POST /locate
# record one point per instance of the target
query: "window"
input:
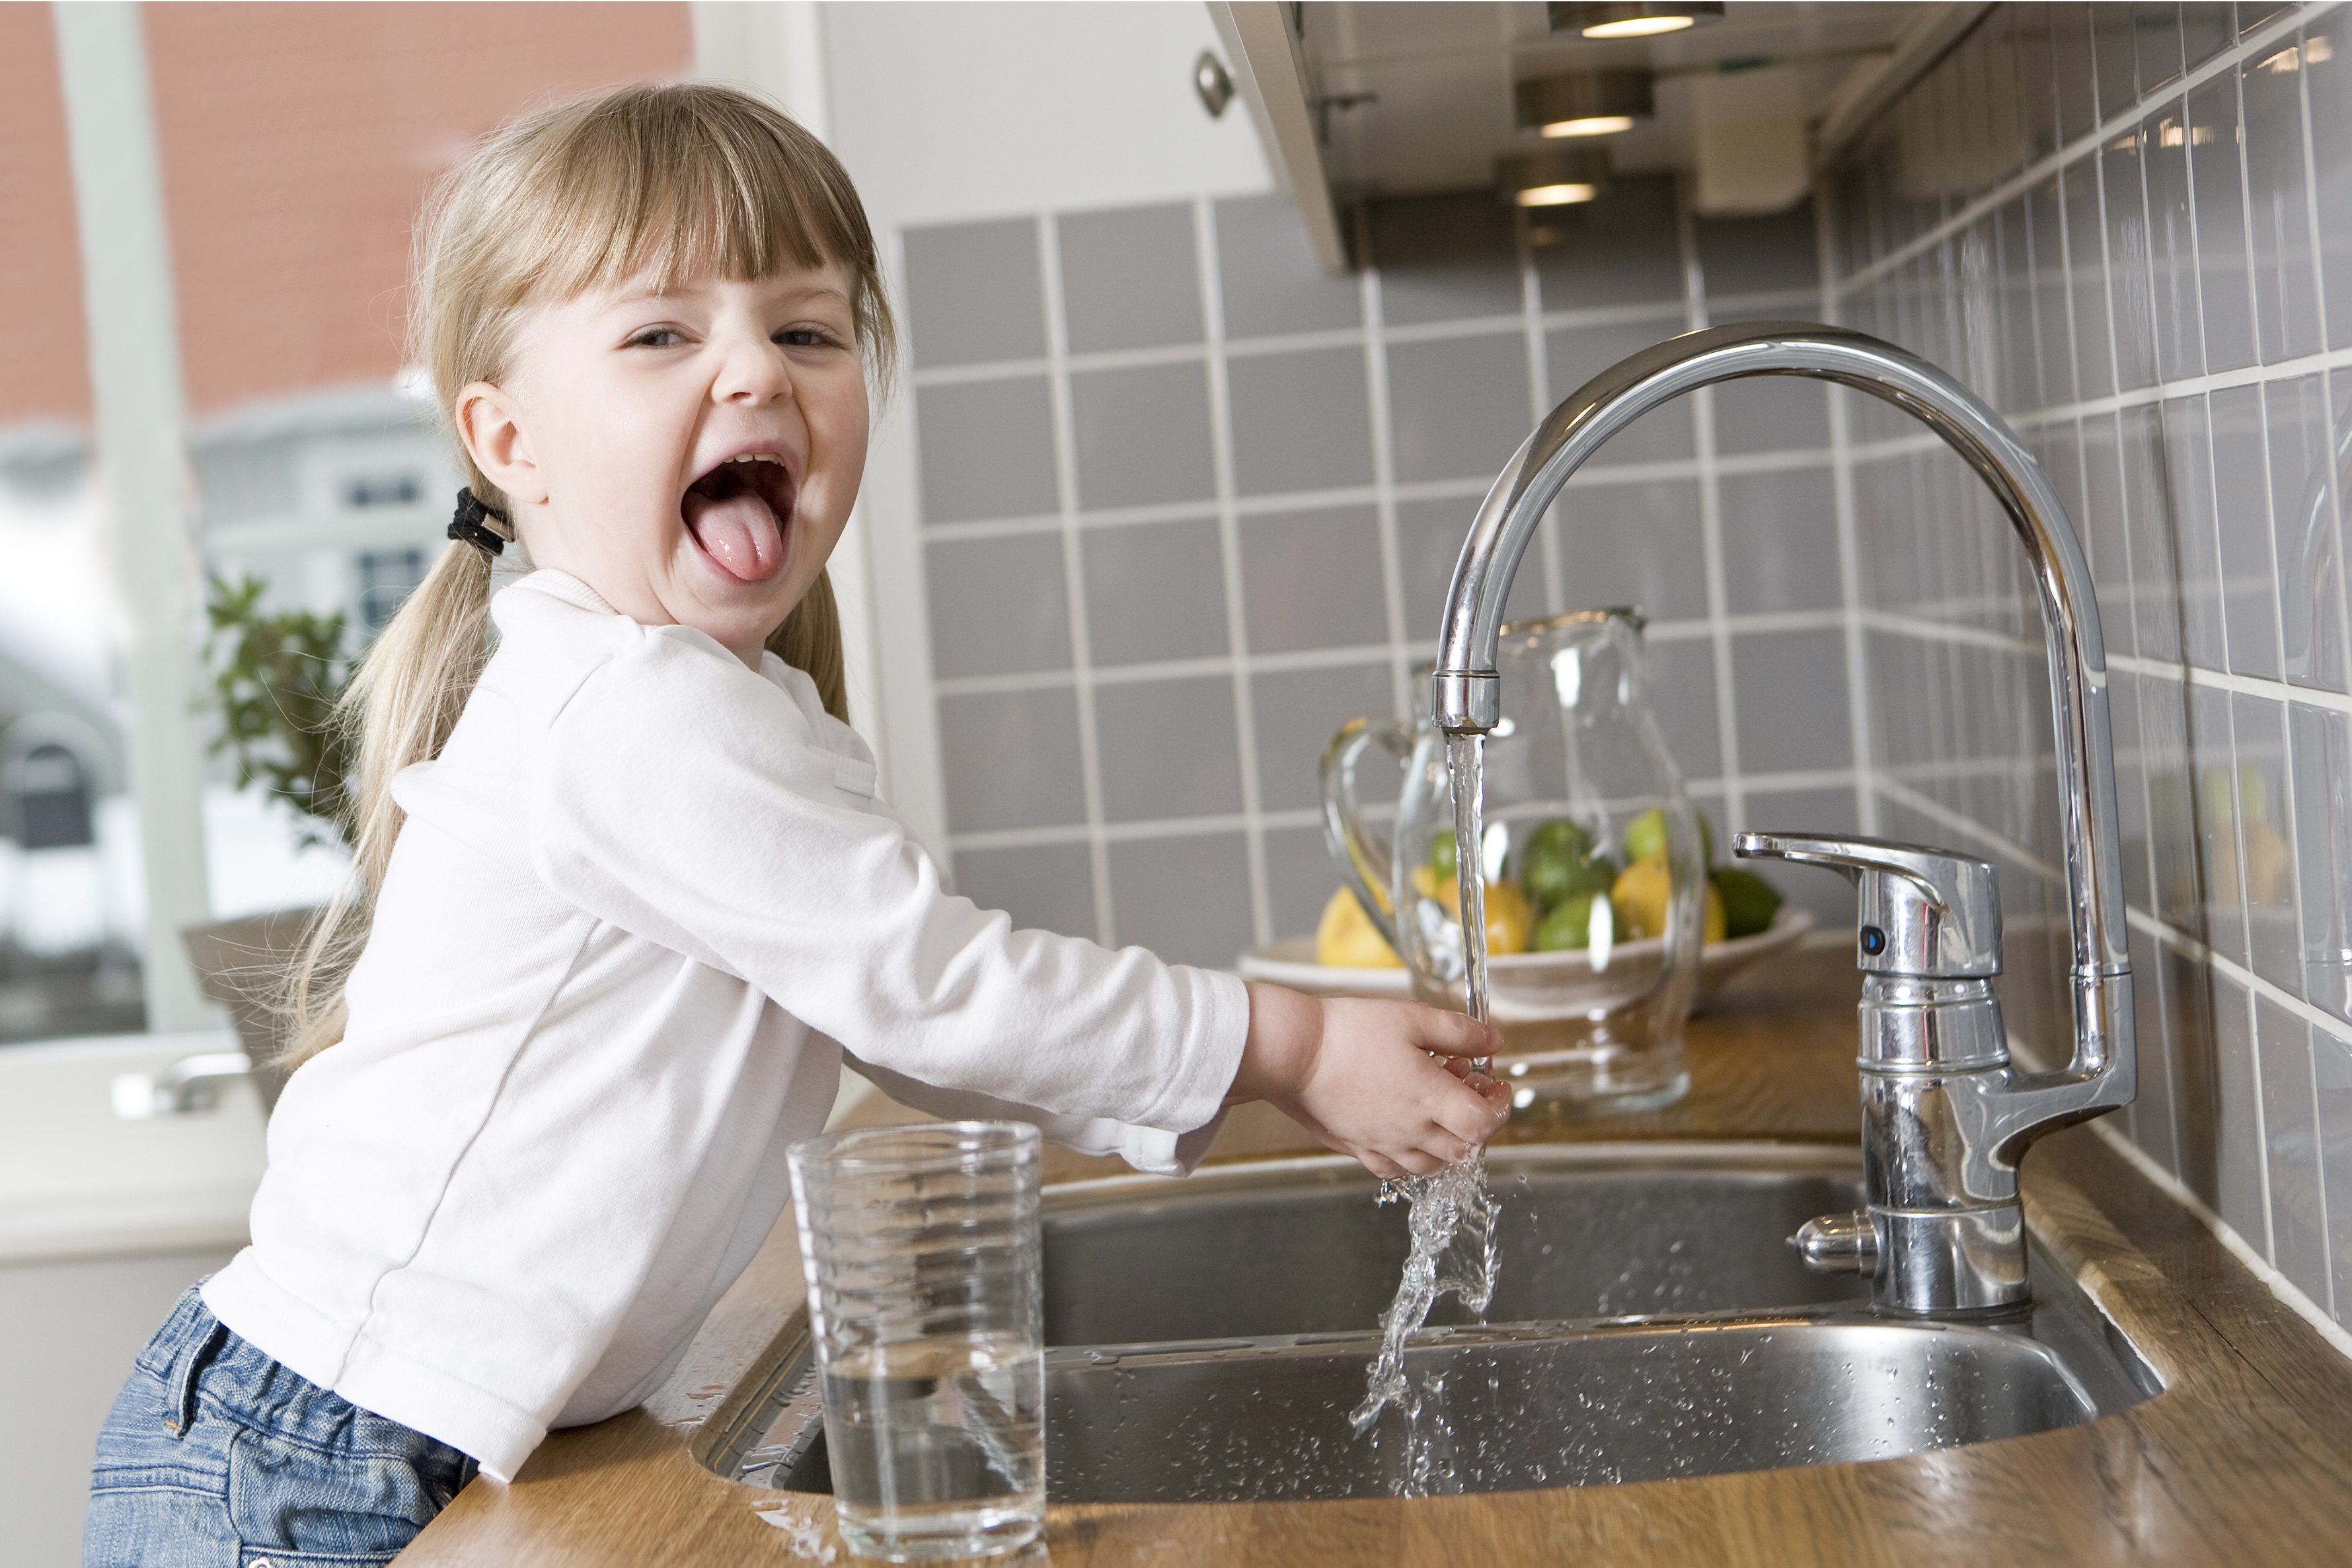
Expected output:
(386, 579)
(49, 793)
(366, 490)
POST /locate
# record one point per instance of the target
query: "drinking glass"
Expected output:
(920, 1246)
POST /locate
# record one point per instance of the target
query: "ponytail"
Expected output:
(398, 710)
(810, 641)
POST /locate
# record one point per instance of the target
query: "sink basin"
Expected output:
(1207, 1338)
(1301, 1247)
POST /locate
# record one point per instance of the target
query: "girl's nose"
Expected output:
(754, 371)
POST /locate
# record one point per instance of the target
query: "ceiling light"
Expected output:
(1583, 103)
(1632, 21)
(1552, 177)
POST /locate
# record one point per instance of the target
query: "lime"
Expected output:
(1568, 925)
(1749, 901)
(1445, 856)
(1557, 863)
(1645, 835)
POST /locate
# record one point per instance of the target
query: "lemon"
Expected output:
(1510, 921)
(1345, 937)
(1641, 893)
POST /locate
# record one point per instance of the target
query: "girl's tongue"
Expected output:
(735, 522)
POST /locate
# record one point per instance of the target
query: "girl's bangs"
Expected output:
(667, 198)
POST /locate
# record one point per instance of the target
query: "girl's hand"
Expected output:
(1359, 1075)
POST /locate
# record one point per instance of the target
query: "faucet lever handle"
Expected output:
(1924, 911)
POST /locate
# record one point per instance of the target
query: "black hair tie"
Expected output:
(472, 523)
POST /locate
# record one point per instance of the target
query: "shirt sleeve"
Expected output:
(1152, 1149)
(685, 799)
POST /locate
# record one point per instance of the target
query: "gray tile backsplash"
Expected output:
(1154, 591)
(1141, 437)
(1642, 543)
(1011, 759)
(2159, 294)
(1297, 713)
(2130, 227)
(1130, 279)
(1183, 898)
(1792, 707)
(1300, 421)
(975, 294)
(1167, 748)
(987, 449)
(1456, 405)
(998, 606)
(1362, 419)
(1312, 579)
(1780, 541)
(1269, 280)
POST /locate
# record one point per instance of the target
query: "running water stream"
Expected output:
(1452, 1218)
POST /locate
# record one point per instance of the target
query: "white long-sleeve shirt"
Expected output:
(638, 898)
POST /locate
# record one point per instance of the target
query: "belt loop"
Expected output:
(181, 1414)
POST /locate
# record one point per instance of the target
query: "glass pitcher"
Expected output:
(1592, 858)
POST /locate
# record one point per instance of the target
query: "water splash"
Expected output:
(1453, 1213)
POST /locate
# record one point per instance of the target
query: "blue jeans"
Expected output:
(216, 1456)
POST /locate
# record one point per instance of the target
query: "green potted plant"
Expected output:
(275, 679)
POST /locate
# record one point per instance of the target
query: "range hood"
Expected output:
(1359, 101)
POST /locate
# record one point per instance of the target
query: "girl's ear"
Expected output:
(489, 422)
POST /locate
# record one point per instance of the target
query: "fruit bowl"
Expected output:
(1528, 984)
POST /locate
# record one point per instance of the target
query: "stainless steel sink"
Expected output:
(1301, 1247)
(1208, 1338)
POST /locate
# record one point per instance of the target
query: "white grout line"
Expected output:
(1710, 512)
(1384, 490)
(2343, 597)
(1229, 552)
(2269, 500)
(1312, 817)
(1073, 577)
(1540, 402)
(1859, 738)
(1592, 476)
(2083, 146)
(2267, 688)
(1211, 665)
(1343, 338)
(1130, 833)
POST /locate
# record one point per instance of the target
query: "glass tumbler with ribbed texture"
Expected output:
(922, 1249)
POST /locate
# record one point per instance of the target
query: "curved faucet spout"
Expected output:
(1467, 688)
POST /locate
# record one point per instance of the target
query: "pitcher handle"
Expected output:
(1363, 859)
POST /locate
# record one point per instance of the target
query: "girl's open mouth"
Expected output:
(738, 513)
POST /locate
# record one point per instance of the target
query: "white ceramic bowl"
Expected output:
(1291, 962)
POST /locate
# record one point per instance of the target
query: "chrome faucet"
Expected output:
(1947, 1117)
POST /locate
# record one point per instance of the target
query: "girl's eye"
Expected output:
(806, 338)
(656, 337)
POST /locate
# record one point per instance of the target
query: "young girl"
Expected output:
(626, 896)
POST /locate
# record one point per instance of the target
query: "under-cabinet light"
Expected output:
(1552, 177)
(1631, 21)
(1583, 103)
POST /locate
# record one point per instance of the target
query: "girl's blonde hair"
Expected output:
(667, 182)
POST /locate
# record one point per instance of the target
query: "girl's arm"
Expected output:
(689, 800)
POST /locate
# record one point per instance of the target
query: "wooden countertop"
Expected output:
(2246, 1457)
